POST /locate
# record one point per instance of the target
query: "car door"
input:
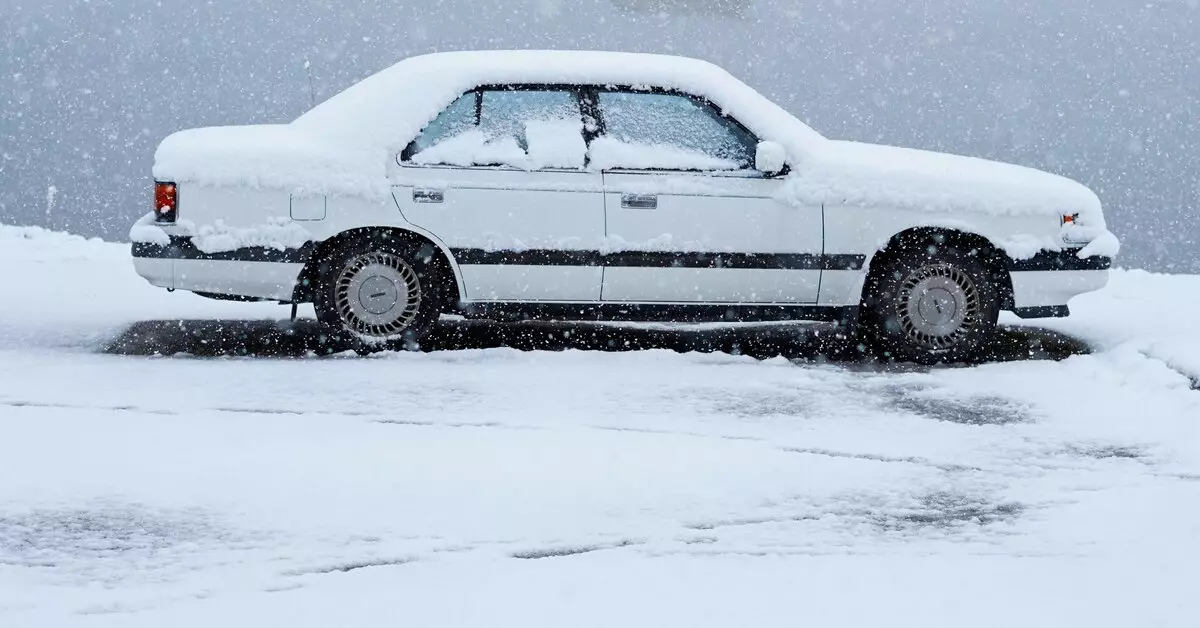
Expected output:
(499, 177)
(689, 219)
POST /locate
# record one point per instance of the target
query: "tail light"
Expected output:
(166, 201)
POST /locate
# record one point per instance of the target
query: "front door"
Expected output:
(499, 177)
(689, 219)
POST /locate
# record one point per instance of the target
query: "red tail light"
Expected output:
(166, 202)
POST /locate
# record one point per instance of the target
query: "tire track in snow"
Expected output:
(351, 566)
(69, 406)
(572, 550)
(924, 462)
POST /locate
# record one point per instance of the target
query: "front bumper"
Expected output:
(1043, 284)
(1041, 288)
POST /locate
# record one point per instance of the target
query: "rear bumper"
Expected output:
(182, 248)
(258, 272)
(158, 271)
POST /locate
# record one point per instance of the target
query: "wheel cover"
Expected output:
(378, 295)
(938, 306)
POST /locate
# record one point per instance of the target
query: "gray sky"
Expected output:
(1104, 91)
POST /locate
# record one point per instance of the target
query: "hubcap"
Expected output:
(378, 295)
(938, 305)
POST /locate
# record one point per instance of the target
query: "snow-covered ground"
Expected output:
(495, 487)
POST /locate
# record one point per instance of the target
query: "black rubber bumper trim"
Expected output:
(1066, 259)
(182, 247)
(1043, 311)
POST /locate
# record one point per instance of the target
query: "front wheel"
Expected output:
(937, 304)
(380, 291)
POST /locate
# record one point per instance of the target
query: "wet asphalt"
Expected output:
(813, 343)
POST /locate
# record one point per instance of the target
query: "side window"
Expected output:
(645, 130)
(522, 128)
(507, 113)
(455, 119)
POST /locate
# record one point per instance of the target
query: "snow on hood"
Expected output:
(850, 173)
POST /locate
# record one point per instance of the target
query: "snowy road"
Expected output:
(500, 487)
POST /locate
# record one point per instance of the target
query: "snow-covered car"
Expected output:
(597, 185)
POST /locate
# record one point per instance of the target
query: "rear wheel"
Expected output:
(379, 291)
(932, 304)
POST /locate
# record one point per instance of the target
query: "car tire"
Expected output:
(931, 304)
(379, 292)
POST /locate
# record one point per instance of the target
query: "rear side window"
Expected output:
(523, 128)
(652, 130)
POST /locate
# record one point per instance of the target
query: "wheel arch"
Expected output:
(913, 238)
(303, 291)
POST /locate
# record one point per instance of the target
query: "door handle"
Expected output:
(639, 201)
(428, 195)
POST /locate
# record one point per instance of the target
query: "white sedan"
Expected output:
(596, 185)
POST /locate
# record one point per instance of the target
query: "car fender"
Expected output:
(872, 229)
(355, 213)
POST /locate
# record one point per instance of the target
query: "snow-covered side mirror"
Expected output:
(770, 158)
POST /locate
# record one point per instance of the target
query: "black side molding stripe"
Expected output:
(531, 257)
(767, 261)
(182, 247)
(660, 259)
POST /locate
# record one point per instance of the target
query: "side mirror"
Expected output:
(770, 158)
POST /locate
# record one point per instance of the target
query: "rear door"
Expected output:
(499, 177)
(689, 219)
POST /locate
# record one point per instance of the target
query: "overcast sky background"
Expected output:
(1104, 91)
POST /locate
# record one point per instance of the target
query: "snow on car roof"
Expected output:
(343, 146)
(395, 104)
